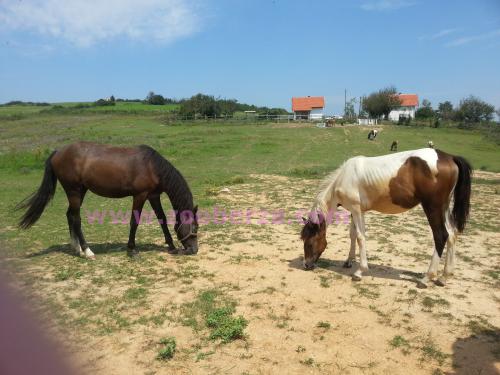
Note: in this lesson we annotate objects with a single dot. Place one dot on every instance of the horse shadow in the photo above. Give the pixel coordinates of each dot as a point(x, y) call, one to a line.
point(375, 270)
point(478, 353)
point(98, 248)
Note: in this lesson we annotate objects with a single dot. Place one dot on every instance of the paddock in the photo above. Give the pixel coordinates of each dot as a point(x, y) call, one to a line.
point(111, 314)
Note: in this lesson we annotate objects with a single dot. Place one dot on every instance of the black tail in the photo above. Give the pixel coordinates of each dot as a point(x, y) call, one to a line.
point(462, 191)
point(36, 202)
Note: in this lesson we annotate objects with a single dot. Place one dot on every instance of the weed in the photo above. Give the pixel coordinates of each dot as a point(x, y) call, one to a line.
point(167, 350)
point(307, 362)
point(324, 325)
point(300, 349)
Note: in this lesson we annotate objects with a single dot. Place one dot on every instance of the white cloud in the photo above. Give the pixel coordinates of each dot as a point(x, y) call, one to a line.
point(474, 38)
point(381, 5)
point(87, 22)
point(439, 34)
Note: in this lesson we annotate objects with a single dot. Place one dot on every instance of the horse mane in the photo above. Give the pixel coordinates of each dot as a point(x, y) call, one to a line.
point(171, 179)
point(325, 191)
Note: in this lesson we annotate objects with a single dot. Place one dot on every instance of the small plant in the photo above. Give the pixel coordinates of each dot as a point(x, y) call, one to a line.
point(300, 349)
point(168, 348)
point(429, 303)
point(224, 326)
point(307, 362)
point(401, 343)
point(324, 325)
point(431, 351)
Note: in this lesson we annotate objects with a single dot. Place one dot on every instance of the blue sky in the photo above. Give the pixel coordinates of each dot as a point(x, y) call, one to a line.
point(258, 51)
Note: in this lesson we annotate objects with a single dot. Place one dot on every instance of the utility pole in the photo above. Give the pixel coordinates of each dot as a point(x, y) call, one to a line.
point(345, 103)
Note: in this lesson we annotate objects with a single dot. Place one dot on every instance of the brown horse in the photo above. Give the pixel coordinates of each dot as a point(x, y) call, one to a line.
point(115, 172)
point(393, 184)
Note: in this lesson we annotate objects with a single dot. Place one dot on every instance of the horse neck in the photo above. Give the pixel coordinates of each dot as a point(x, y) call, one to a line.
point(325, 199)
point(178, 191)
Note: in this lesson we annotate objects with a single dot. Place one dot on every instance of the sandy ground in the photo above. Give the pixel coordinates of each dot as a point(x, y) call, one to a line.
point(381, 325)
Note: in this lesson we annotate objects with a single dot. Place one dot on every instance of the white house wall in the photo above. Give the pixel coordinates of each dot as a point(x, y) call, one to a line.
point(316, 114)
point(402, 111)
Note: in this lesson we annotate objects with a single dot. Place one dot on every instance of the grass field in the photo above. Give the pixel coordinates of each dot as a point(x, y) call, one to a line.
point(243, 305)
point(17, 111)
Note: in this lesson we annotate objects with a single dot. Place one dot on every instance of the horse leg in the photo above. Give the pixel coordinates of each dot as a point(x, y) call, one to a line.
point(436, 220)
point(449, 264)
point(352, 251)
point(75, 198)
point(134, 222)
point(359, 223)
point(162, 219)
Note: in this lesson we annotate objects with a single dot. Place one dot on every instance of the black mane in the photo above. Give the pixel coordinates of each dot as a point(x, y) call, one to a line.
point(172, 180)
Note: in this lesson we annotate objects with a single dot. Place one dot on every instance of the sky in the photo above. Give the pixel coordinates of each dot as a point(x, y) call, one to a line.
point(259, 52)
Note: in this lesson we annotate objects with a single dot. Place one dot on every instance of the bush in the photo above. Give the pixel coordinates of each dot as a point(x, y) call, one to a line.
point(102, 103)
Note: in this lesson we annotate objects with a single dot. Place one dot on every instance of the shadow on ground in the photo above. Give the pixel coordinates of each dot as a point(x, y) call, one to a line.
point(375, 270)
point(477, 354)
point(102, 248)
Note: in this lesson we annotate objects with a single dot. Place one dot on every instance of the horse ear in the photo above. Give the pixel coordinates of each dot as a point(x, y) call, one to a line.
point(195, 209)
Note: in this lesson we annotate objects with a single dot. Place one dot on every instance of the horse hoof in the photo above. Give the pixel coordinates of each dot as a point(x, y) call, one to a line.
point(421, 284)
point(356, 277)
point(440, 282)
point(172, 251)
point(347, 264)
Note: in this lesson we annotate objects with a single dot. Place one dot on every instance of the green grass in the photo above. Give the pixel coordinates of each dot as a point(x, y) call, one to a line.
point(213, 311)
point(167, 350)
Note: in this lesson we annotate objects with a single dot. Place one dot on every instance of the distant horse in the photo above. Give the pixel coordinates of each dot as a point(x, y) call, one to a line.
point(393, 184)
point(430, 144)
point(115, 172)
point(394, 145)
point(372, 134)
point(330, 123)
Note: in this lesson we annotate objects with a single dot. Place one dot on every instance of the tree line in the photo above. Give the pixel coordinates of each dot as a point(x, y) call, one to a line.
point(470, 110)
point(202, 105)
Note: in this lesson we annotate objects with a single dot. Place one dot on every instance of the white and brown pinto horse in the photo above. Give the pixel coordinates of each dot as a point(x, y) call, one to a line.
point(393, 184)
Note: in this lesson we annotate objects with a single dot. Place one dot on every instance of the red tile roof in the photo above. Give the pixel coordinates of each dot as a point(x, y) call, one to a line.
point(408, 100)
point(307, 103)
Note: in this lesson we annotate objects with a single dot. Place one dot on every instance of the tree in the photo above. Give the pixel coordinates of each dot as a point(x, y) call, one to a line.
point(199, 104)
point(350, 112)
point(112, 98)
point(474, 110)
point(380, 103)
point(155, 99)
point(445, 110)
point(426, 111)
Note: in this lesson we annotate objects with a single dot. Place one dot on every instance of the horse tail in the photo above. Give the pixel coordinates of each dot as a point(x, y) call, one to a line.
point(37, 201)
point(461, 207)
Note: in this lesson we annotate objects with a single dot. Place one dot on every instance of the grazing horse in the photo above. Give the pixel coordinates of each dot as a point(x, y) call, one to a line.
point(393, 184)
point(115, 172)
point(394, 145)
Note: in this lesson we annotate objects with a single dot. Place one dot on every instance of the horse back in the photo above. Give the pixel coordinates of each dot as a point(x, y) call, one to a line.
point(106, 170)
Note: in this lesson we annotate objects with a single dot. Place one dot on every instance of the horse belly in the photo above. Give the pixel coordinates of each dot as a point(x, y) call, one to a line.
point(386, 206)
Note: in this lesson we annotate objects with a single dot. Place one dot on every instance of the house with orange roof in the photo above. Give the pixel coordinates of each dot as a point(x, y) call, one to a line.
point(407, 109)
point(308, 107)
